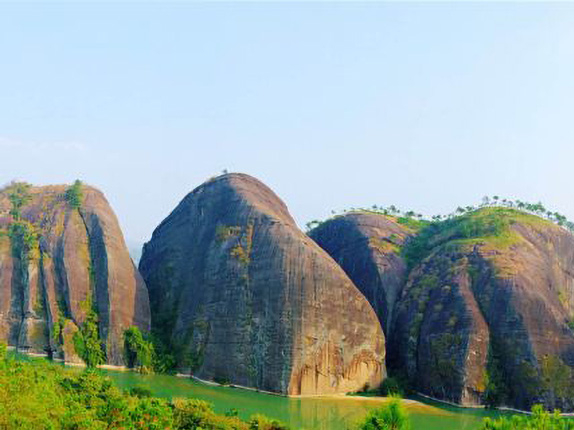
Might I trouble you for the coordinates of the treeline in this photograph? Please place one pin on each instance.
(406, 216)
(37, 394)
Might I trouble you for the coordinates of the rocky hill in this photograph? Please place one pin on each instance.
(243, 296)
(486, 314)
(368, 247)
(67, 283)
(477, 309)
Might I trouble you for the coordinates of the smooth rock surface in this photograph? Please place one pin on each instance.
(245, 297)
(367, 246)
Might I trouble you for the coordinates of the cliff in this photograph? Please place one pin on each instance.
(368, 247)
(243, 296)
(486, 315)
(64, 263)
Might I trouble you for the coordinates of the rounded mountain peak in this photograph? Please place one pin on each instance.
(247, 297)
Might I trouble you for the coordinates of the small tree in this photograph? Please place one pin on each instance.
(392, 416)
(87, 341)
(74, 194)
(139, 352)
(19, 196)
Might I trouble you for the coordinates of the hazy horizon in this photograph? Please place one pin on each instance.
(423, 106)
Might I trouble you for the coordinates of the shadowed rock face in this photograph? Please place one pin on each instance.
(367, 246)
(488, 319)
(246, 297)
(80, 260)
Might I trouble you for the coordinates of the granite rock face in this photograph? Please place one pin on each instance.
(489, 319)
(367, 246)
(78, 263)
(243, 296)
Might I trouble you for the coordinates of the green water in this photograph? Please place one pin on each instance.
(309, 414)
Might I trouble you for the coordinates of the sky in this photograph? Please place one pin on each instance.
(333, 105)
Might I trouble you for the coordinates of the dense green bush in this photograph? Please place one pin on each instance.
(140, 392)
(393, 386)
(74, 195)
(539, 420)
(19, 196)
(23, 238)
(87, 341)
(391, 416)
(38, 395)
(139, 351)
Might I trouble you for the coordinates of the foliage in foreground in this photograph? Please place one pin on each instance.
(539, 420)
(40, 395)
(391, 416)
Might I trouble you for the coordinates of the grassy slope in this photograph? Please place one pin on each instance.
(490, 227)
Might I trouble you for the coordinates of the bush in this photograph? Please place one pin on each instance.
(36, 394)
(23, 238)
(191, 414)
(392, 387)
(391, 416)
(74, 195)
(19, 196)
(139, 352)
(539, 420)
(140, 392)
(260, 422)
(87, 341)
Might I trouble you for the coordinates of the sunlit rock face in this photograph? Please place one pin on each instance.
(243, 296)
(489, 319)
(368, 247)
(78, 264)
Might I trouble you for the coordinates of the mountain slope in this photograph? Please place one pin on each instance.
(244, 296)
(64, 265)
(486, 313)
(368, 247)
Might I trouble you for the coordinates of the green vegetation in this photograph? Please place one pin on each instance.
(74, 194)
(24, 239)
(23, 235)
(496, 390)
(164, 360)
(241, 251)
(224, 232)
(444, 375)
(392, 416)
(19, 196)
(539, 420)
(87, 343)
(416, 221)
(58, 329)
(36, 394)
(557, 377)
(393, 386)
(411, 219)
(474, 227)
(139, 352)
(506, 378)
(140, 392)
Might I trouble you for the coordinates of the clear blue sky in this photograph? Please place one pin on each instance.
(425, 106)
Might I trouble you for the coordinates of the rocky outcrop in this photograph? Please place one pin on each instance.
(243, 296)
(486, 315)
(60, 261)
(367, 246)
